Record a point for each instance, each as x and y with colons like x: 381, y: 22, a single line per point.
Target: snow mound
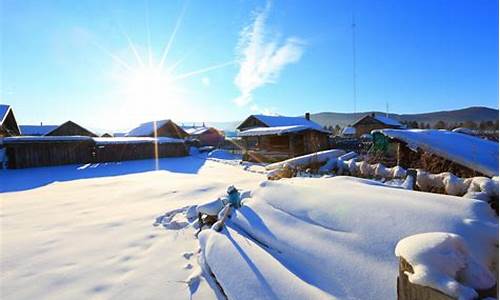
x: 336, y: 234
x: 443, y: 261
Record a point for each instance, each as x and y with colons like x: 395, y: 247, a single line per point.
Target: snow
x: 278, y: 121
x: 86, y: 232
x: 387, y: 121
x: 127, y: 230
x: 349, y: 131
x: 335, y: 234
x: 464, y: 130
x: 4, y: 109
x: 277, y: 130
x: 147, y: 128
x: 472, y: 152
x: 195, y: 130
x: 321, y: 156
x: 36, y: 129
x: 439, y: 259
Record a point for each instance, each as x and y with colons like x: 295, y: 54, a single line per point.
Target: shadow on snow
x: 30, y: 178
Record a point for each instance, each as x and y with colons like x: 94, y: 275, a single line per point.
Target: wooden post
x: 409, y: 291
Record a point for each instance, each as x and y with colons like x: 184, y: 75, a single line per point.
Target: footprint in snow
x: 187, y: 255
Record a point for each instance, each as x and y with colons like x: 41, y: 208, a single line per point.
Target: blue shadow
x: 25, y: 179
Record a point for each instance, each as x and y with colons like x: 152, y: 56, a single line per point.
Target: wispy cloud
x: 262, y: 56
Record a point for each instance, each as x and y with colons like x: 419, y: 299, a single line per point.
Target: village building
x: 276, y: 138
x: 436, y: 151
x: 8, y: 123
x: 162, y: 128
x: 36, y: 130
x: 207, y: 136
x: 70, y: 128
x: 373, y: 121
x: 107, y: 135
x: 348, y: 132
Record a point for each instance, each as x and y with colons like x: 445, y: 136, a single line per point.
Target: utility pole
x: 354, y: 92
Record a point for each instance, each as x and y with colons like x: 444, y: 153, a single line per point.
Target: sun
x: 150, y: 83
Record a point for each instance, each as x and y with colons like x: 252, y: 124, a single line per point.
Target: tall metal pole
x: 354, y: 92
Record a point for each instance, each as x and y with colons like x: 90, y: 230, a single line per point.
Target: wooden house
x: 162, y: 128
x: 36, y: 130
x: 70, y: 128
x: 438, y: 151
x: 275, y: 138
x: 207, y: 136
x: 372, y: 122
x: 41, y: 151
x: 8, y: 123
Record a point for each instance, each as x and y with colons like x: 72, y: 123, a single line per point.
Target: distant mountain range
x: 476, y: 114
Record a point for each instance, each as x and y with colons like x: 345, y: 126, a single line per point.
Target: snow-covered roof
x: 273, y: 121
x: 36, y: 129
x: 195, y: 130
x: 135, y: 140
x: 387, y: 120
x: 277, y: 130
x: 464, y: 130
x: 475, y: 153
x: 349, y: 130
x: 146, y: 128
x: 4, y: 109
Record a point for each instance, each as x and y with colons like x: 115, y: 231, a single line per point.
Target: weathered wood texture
x: 121, y: 152
x: 369, y: 123
x: 409, y: 291
x: 429, y: 162
x: 71, y: 129
x: 272, y: 148
x: 9, y: 125
x: 40, y: 154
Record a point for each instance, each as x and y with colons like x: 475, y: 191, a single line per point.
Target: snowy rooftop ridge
x: 273, y: 121
x: 387, y: 120
x: 277, y: 130
x: 4, y: 109
x: 146, y: 128
x: 475, y: 153
x: 36, y: 129
x: 196, y: 130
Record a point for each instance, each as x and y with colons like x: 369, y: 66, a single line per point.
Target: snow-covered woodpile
x: 337, y: 162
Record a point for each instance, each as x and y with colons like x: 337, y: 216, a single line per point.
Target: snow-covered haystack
x: 446, y: 262
x: 303, y: 238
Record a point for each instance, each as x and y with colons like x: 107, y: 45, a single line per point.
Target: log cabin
x: 276, y: 138
x: 372, y: 122
x: 8, y: 123
x: 162, y: 128
x: 207, y: 136
x: 70, y: 128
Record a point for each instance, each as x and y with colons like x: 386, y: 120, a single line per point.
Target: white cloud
x: 205, y: 81
x: 262, y: 57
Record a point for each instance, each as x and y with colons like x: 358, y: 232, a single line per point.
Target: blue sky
x: 99, y: 62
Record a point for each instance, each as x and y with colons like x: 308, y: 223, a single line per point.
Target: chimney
x: 308, y: 116
x: 41, y: 124
x: 373, y: 114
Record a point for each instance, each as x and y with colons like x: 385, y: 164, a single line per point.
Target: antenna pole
x: 354, y: 92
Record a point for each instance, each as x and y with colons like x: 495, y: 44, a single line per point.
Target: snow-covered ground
x: 105, y: 232
x: 87, y: 233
